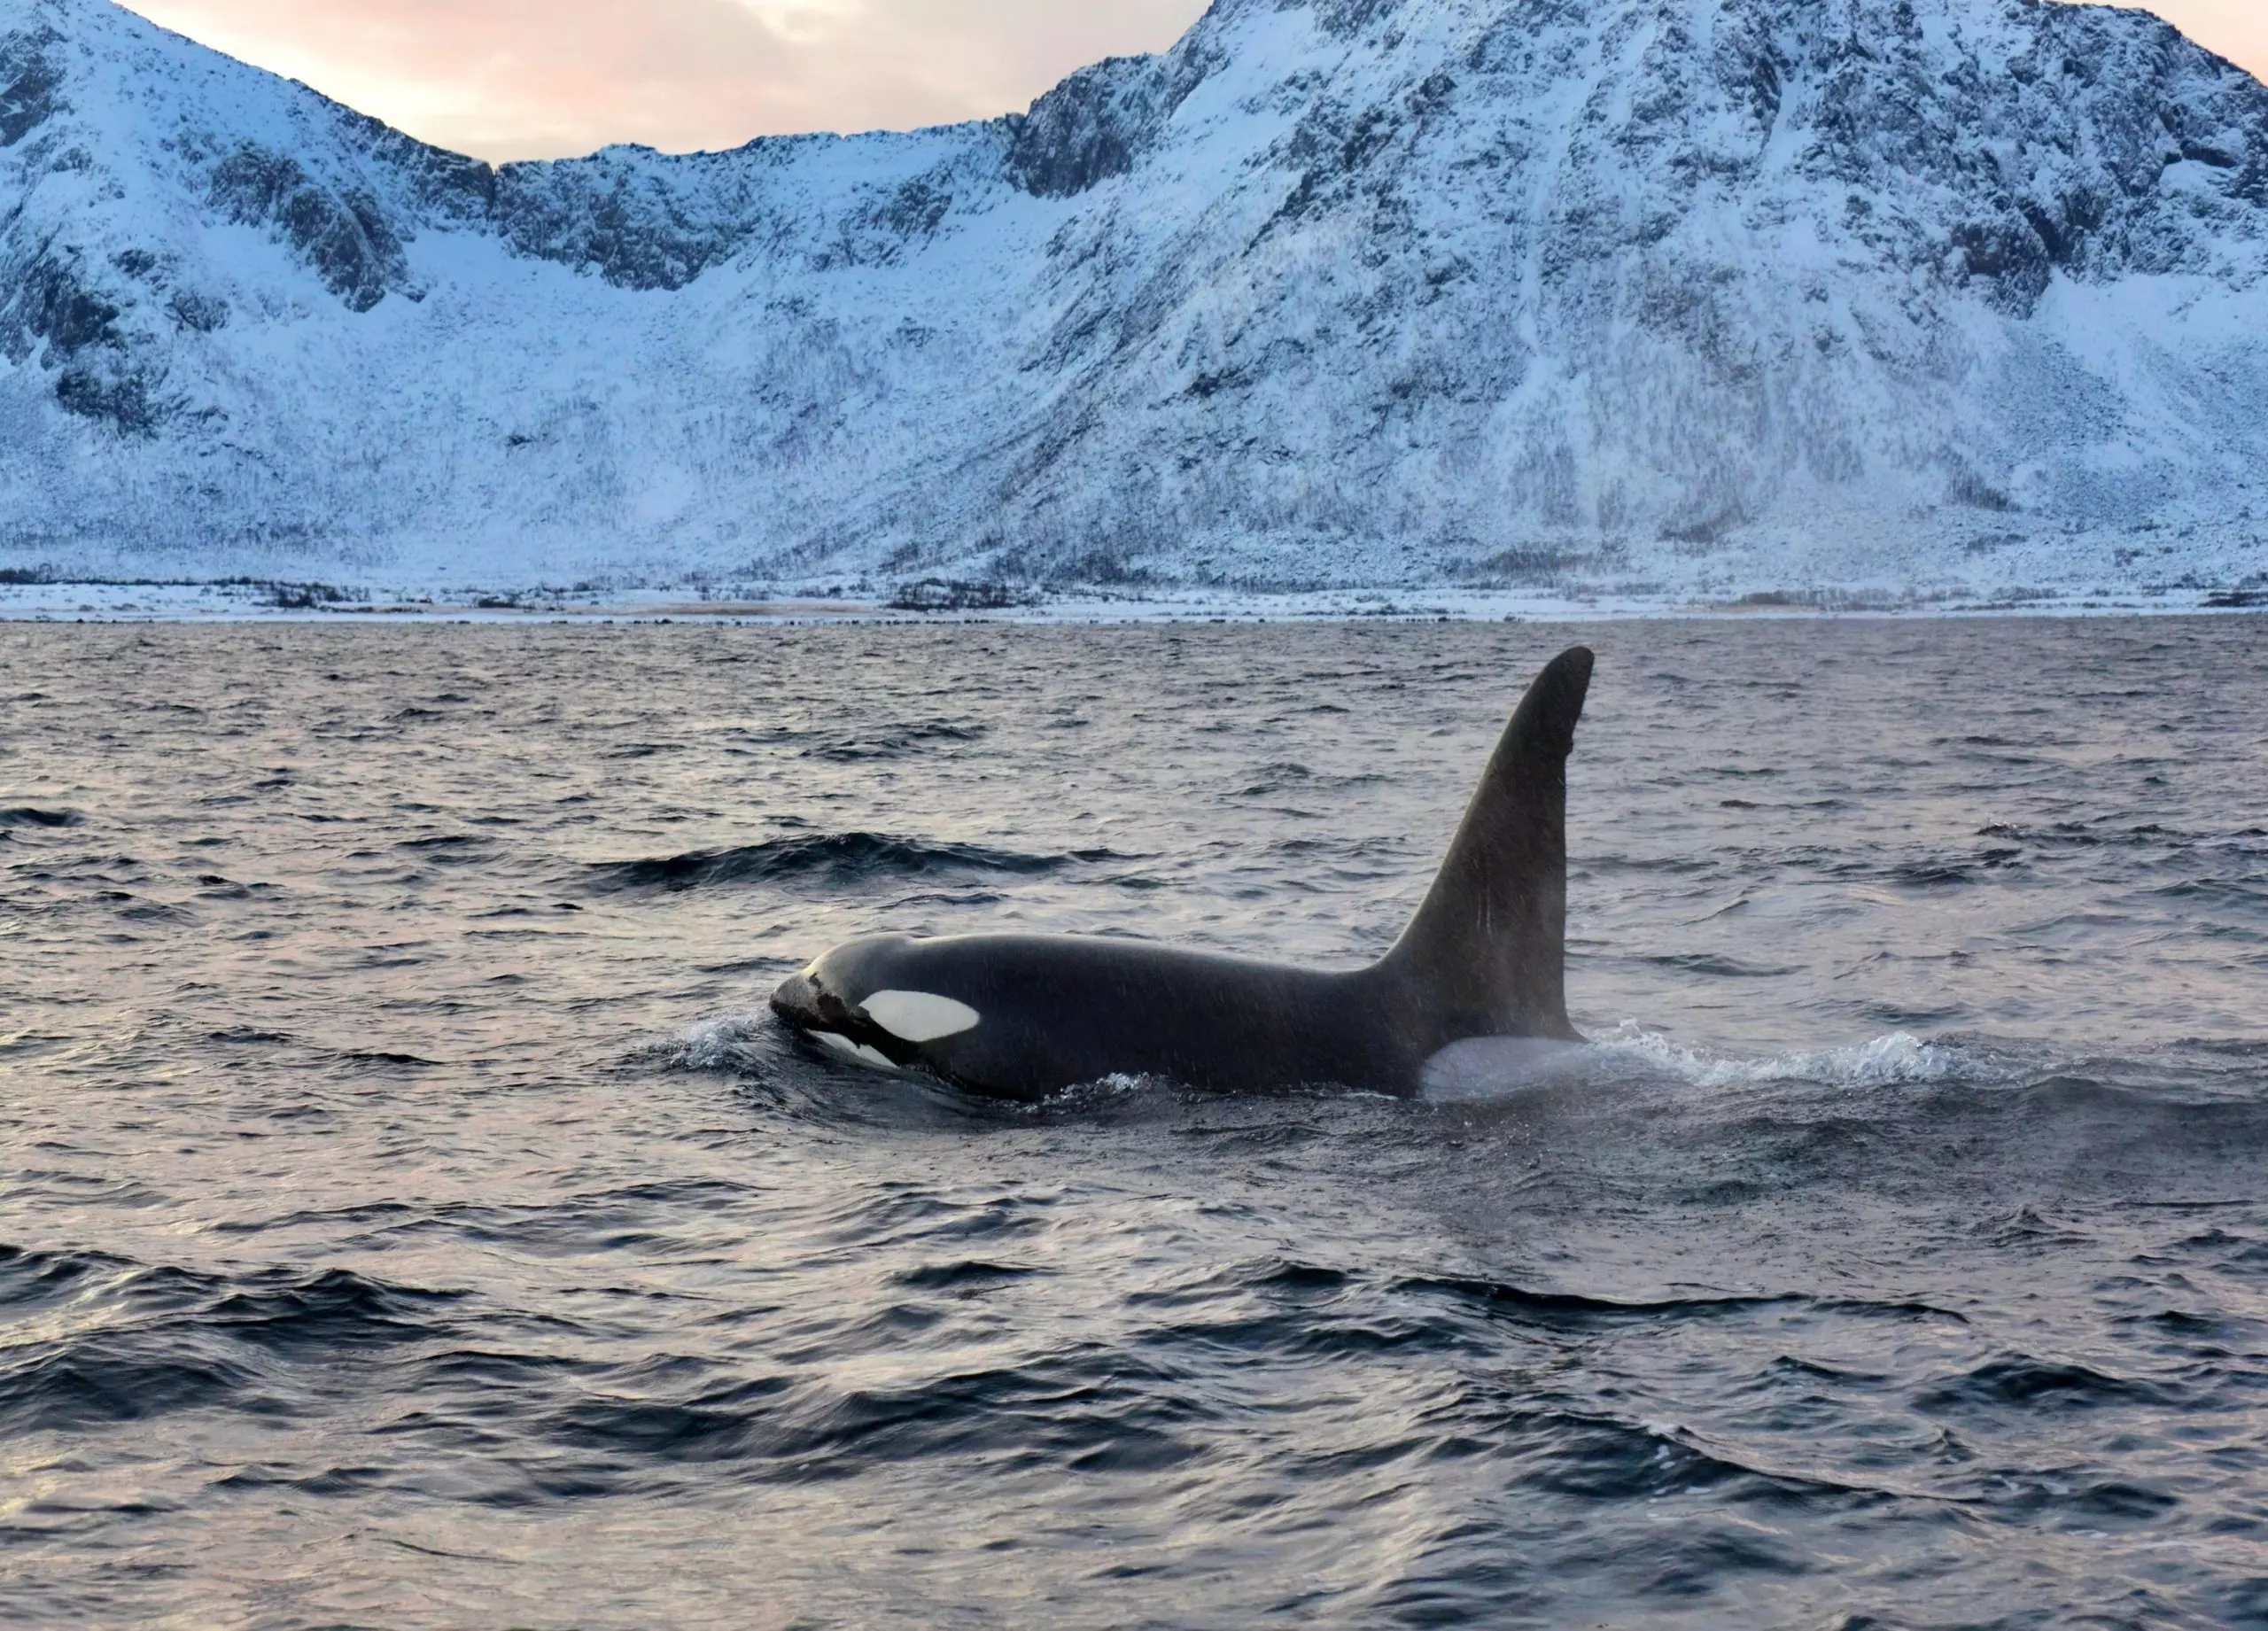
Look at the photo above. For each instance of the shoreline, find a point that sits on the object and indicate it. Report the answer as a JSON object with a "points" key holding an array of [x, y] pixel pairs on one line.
{"points": [[244, 601]]}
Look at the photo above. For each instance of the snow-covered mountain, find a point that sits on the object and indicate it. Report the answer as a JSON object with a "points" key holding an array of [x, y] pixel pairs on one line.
{"points": [[1659, 297]]}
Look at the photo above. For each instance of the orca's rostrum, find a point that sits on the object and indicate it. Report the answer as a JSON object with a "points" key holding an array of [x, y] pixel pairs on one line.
{"points": [[1021, 1016]]}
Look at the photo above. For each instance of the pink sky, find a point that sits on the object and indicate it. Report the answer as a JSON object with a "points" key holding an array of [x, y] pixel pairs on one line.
{"points": [[528, 79]]}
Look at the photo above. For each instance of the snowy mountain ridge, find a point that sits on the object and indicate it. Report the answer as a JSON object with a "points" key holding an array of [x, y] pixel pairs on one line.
{"points": [[1662, 297]]}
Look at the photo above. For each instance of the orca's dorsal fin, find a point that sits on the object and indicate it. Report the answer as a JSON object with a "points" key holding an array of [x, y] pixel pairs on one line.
{"points": [[1485, 955]]}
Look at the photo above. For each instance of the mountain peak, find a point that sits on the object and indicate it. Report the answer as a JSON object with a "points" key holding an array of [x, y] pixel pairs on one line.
{"points": [[1670, 297]]}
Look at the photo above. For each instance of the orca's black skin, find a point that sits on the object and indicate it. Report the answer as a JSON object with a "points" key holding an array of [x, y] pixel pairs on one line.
{"points": [[1484, 957]]}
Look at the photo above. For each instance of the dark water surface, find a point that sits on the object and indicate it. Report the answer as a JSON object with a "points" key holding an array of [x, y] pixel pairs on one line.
{"points": [[410, 1218]]}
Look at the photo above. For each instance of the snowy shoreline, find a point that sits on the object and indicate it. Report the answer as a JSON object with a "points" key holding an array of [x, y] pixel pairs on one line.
{"points": [[249, 602]]}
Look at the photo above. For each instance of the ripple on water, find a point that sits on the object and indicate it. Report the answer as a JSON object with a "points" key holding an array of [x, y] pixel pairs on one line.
{"points": [[840, 860], [416, 1205]]}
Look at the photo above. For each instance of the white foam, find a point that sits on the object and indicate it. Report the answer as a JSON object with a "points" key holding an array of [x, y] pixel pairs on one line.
{"points": [[1898, 1057], [1117, 1084], [719, 1045], [1485, 1068]]}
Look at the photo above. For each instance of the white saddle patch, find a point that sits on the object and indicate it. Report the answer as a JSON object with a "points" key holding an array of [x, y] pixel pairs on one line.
{"points": [[859, 1051], [920, 1017]]}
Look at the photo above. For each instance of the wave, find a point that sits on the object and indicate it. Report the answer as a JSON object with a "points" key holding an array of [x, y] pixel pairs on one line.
{"points": [[31, 1278], [1931, 875], [1485, 1068], [739, 1043], [898, 742], [145, 1340], [1714, 964], [30, 815], [838, 860], [1503, 1293], [900, 739], [2036, 1385], [1898, 1058], [325, 1311]]}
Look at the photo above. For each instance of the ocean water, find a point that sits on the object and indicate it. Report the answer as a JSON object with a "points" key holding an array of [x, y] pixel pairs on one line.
{"points": [[411, 1217]]}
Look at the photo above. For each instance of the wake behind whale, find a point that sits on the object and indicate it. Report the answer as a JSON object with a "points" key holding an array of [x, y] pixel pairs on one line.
{"points": [[1023, 1016]]}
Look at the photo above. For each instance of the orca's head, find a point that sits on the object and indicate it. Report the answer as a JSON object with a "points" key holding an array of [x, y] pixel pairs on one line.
{"points": [[863, 1000]]}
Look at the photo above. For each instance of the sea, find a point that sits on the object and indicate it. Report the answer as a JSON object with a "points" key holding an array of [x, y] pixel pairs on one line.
{"points": [[411, 1214]]}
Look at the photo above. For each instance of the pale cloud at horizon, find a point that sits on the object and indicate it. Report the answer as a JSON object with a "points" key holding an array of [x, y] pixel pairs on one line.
{"points": [[528, 78]]}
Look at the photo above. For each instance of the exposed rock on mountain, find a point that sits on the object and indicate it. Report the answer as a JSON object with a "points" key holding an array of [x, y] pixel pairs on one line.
{"points": [[1659, 297]]}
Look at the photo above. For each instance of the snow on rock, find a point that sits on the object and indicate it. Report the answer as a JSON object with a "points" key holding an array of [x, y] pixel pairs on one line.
{"points": [[1651, 299]]}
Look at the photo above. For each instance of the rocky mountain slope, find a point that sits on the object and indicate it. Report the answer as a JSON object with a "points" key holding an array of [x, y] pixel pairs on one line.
{"points": [[1653, 298]]}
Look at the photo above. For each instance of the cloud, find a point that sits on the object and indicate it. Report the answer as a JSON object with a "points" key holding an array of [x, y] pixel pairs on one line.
{"points": [[521, 79], [527, 79]]}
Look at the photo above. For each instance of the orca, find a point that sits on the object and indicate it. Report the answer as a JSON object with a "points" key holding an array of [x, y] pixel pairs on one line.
{"points": [[1025, 1016]]}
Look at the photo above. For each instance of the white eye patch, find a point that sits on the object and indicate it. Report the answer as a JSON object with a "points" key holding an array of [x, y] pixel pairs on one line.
{"points": [[920, 1017], [859, 1051]]}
